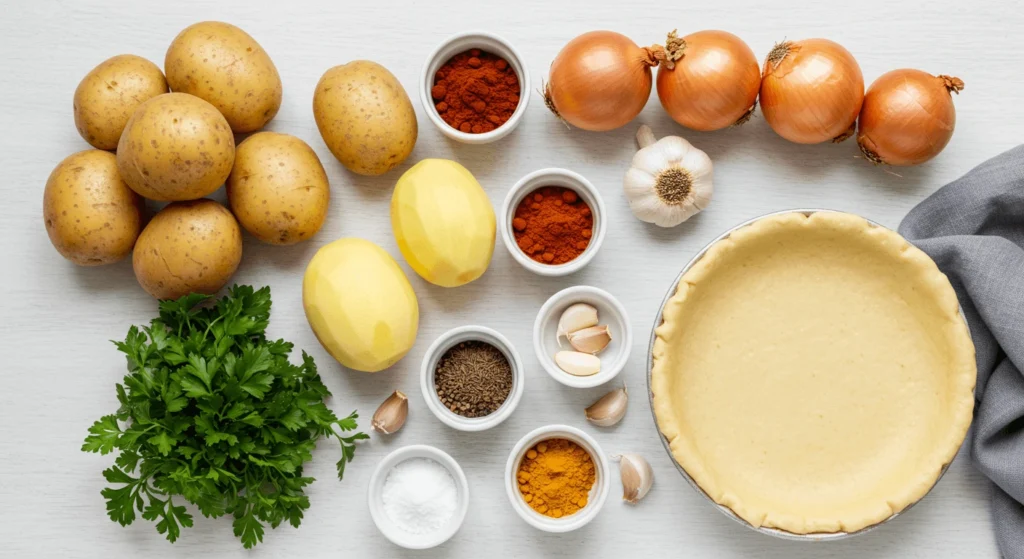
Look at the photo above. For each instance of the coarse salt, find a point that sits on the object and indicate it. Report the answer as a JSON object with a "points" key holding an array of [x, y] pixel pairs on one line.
{"points": [[420, 496]]}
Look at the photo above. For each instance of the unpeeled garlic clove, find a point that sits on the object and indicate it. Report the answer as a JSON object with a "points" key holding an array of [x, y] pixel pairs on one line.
{"points": [[390, 416], [578, 364], [609, 409], [591, 340], [637, 477], [576, 317]]}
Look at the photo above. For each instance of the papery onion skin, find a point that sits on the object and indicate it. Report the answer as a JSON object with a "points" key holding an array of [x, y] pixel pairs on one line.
{"points": [[811, 91], [908, 117], [600, 80], [713, 85]]}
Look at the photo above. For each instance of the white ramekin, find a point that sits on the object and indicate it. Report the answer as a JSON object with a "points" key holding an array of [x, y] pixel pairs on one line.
{"points": [[462, 42], [553, 177], [598, 493], [375, 497], [609, 311], [438, 349]]}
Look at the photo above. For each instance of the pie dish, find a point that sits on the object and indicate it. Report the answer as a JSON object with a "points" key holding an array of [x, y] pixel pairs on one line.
{"points": [[812, 373]]}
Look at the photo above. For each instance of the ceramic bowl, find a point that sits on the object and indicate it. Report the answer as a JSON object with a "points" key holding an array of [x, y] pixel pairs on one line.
{"points": [[462, 42], [387, 527], [609, 312], [598, 493], [566, 179], [438, 349]]}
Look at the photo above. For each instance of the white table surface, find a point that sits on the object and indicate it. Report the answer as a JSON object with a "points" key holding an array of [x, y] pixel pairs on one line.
{"points": [[59, 368]]}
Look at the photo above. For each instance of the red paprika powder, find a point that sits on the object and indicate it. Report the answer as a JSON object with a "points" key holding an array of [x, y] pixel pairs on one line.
{"points": [[476, 91], [552, 225]]}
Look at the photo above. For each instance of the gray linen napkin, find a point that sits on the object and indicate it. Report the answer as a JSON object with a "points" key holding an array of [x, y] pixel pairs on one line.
{"points": [[974, 230]]}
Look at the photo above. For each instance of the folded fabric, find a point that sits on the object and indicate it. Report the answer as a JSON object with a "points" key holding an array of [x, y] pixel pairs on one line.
{"points": [[974, 230]]}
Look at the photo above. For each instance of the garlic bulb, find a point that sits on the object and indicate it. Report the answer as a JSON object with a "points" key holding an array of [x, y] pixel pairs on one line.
{"points": [[669, 180]]}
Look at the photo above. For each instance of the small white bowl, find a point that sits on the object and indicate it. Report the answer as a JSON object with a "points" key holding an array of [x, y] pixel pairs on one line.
{"points": [[387, 527], [487, 42], [598, 493], [438, 349], [609, 311], [553, 177]]}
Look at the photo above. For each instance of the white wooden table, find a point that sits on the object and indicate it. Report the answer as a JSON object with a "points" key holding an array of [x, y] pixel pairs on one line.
{"points": [[59, 368]]}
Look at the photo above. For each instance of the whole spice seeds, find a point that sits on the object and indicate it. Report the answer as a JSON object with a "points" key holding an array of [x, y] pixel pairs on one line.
{"points": [[555, 477], [475, 91], [473, 379], [552, 225]]}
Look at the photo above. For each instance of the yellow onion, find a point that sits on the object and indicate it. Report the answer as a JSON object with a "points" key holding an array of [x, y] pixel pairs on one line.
{"points": [[811, 91], [908, 117], [709, 80], [601, 80]]}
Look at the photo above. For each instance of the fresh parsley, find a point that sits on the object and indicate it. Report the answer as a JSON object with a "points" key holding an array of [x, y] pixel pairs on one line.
{"points": [[213, 413]]}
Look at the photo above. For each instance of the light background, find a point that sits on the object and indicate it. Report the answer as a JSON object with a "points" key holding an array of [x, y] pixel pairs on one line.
{"points": [[59, 368]]}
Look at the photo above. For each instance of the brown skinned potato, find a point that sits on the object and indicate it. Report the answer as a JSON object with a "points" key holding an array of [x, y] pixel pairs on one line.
{"points": [[189, 247], [91, 215], [109, 94], [365, 117], [176, 147], [278, 189], [222, 64]]}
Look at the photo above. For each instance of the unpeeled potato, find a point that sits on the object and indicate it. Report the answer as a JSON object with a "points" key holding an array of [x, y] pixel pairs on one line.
{"points": [[278, 189], [109, 94], [222, 64], [91, 215], [189, 247]]}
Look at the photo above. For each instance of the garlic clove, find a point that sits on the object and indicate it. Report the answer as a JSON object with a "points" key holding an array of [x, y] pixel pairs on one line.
{"points": [[578, 364], [391, 415], [576, 317], [637, 477], [591, 340], [609, 409]]}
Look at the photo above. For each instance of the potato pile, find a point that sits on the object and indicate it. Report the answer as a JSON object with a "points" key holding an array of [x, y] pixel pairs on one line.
{"points": [[179, 147]]}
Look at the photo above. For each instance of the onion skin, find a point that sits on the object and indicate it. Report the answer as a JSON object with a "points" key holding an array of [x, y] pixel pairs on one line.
{"points": [[600, 80], [908, 117], [811, 91], [715, 83]]}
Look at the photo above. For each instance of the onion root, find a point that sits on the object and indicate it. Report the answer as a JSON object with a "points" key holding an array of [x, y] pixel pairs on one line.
{"points": [[846, 135], [746, 116]]}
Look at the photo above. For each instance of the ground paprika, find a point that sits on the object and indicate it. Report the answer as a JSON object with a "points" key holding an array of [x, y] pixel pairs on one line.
{"points": [[552, 225], [475, 91]]}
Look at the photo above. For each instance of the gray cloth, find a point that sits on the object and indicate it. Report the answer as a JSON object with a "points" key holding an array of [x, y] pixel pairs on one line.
{"points": [[974, 230]]}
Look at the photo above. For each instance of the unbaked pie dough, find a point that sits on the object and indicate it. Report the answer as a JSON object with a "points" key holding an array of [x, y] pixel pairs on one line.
{"points": [[813, 374]]}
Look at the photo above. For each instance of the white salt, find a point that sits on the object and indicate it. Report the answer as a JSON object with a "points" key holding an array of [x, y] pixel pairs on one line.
{"points": [[420, 496]]}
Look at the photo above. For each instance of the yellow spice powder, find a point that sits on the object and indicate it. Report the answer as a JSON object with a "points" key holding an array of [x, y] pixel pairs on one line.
{"points": [[555, 477]]}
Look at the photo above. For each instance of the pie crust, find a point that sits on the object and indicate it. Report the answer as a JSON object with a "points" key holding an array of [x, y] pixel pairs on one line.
{"points": [[813, 373]]}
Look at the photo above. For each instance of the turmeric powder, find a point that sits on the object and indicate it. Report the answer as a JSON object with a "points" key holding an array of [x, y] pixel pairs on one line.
{"points": [[555, 477]]}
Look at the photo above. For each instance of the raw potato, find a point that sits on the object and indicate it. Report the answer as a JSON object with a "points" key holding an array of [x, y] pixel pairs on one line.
{"points": [[365, 117], [222, 64], [91, 215], [109, 94], [278, 189], [189, 247], [176, 147]]}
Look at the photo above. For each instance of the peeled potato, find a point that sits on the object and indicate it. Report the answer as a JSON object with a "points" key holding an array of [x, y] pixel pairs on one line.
{"points": [[91, 215], [176, 147], [109, 94], [189, 247]]}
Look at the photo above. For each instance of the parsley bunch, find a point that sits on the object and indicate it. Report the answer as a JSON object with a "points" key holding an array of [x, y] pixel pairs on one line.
{"points": [[213, 413]]}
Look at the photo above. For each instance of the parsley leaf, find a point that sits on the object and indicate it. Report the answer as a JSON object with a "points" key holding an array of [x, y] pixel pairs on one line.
{"points": [[213, 413]]}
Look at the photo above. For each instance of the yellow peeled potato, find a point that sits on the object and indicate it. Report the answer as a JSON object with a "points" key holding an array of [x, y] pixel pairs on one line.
{"points": [[109, 94], [222, 64], [365, 117], [91, 215], [360, 305], [176, 147], [278, 189], [189, 247]]}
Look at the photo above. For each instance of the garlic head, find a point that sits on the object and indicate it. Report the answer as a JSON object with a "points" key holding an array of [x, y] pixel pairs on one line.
{"points": [[669, 180]]}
